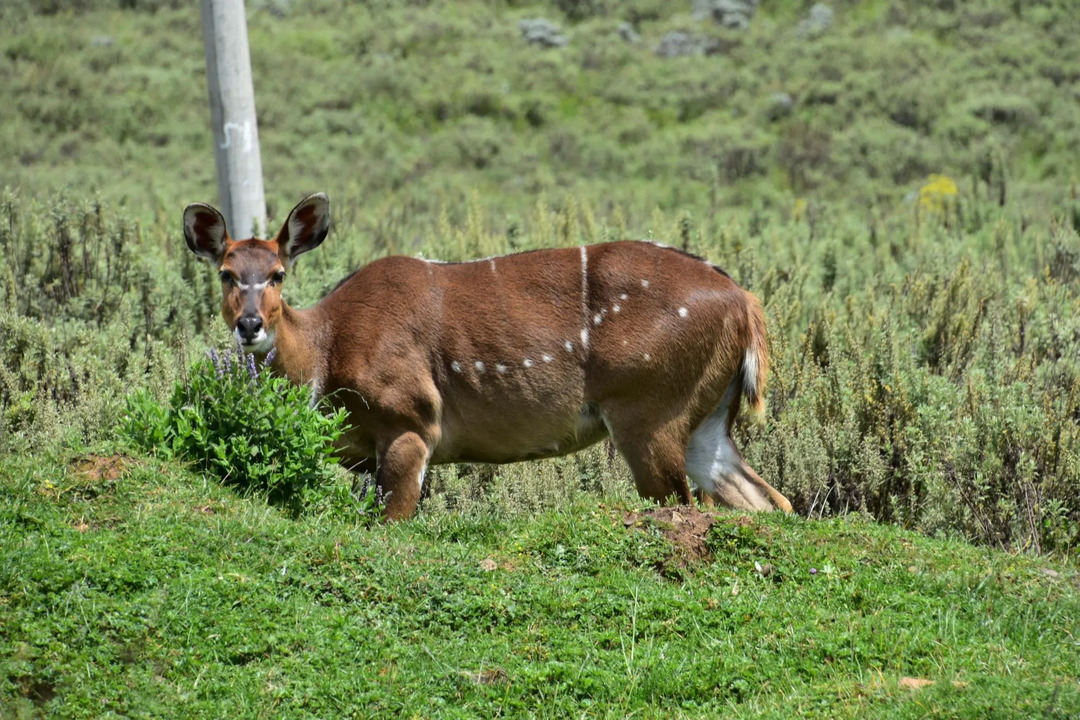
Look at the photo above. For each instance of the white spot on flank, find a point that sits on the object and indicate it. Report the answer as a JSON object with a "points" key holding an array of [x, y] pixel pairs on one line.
{"points": [[528, 363], [682, 312], [569, 346], [644, 283], [624, 296], [455, 366], [646, 356], [500, 368], [479, 366], [615, 308], [596, 319], [624, 342], [547, 358], [584, 336]]}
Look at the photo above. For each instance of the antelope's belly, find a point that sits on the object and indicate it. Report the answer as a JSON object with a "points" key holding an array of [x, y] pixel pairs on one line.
{"points": [[512, 434]]}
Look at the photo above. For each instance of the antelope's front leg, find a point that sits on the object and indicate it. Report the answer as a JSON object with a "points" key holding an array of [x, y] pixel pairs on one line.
{"points": [[400, 476]]}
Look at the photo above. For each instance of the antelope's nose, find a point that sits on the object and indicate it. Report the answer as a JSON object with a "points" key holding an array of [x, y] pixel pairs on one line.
{"points": [[249, 327]]}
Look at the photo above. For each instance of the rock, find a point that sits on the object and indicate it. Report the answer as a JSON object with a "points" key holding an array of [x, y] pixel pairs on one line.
{"points": [[817, 22], [682, 44], [780, 106], [628, 33], [542, 32], [733, 14]]}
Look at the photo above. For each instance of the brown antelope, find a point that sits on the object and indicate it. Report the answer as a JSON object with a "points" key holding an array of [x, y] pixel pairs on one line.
{"points": [[511, 358]]}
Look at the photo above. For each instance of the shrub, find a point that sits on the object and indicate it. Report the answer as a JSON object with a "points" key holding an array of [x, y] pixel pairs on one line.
{"points": [[231, 418]]}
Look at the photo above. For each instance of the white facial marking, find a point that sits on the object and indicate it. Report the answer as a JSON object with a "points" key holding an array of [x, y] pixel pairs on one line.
{"points": [[528, 363], [682, 312], [547, 358], [479, 366], [253, 286], [615, 308], [569, 346], [644, 283], [455, 366], [262, 343], [624, 296], [584, 336], [596, 319], [501, 369]]}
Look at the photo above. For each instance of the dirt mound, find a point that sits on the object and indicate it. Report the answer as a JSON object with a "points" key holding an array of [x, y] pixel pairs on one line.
{"points": [[684, 526]]}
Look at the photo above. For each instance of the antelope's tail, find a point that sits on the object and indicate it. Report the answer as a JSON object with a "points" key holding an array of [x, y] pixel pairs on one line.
{"points": [[755, 362]]}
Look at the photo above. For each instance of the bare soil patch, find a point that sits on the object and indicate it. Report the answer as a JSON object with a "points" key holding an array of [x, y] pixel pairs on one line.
{"points": [[685, 527]]}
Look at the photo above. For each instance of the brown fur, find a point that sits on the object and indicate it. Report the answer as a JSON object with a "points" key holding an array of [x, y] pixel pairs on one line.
{"points": [[467, 362]]}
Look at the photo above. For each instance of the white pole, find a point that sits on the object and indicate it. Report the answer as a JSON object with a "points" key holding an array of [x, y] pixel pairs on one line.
{"points": [[232, 115]]}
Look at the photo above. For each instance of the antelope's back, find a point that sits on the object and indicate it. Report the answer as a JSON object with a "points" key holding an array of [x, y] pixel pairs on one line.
{"points": [[527, 343]]}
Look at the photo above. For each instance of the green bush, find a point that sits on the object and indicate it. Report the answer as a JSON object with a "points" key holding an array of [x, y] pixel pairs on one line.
{"points": [[232, 419]]}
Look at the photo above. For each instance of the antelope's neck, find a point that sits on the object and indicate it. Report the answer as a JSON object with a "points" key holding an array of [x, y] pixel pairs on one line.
{"points": [[297, 346]]}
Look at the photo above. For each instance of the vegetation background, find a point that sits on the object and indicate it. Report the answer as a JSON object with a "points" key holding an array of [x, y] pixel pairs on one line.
{"points": [[896, 180]]}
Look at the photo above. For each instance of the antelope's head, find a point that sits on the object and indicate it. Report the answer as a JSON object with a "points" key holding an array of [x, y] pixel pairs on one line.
{"points": [[253, 270]]}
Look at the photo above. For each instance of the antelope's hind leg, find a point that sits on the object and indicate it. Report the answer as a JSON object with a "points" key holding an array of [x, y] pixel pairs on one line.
{"points": [[656, 459], [718, 471]]}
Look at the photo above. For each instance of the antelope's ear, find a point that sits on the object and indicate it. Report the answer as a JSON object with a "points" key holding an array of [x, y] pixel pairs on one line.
{"points": [[204, 230], [305, 228]]}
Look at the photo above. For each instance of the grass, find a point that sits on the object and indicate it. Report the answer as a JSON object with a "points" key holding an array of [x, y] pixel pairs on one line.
{"points": [[138, 588], [909, 223]]}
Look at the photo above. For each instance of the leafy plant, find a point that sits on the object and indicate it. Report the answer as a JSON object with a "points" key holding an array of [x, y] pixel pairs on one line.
{"points": [[233, 419]]}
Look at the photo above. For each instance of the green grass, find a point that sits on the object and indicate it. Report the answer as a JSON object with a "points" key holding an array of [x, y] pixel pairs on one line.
{"points": [[926, 362], [157, 593]]}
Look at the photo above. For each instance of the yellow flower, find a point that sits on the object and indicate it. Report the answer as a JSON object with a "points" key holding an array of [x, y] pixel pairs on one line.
{"points": [[938, 195]]}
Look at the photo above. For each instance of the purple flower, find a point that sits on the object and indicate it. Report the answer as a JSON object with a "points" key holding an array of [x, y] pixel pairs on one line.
{"points": [[216, 360], [270, 356], [252, 370]]}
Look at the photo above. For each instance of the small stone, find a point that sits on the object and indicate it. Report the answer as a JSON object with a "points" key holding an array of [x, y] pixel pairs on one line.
{"points": [[817, 22], [542, 32], [628, 33]]}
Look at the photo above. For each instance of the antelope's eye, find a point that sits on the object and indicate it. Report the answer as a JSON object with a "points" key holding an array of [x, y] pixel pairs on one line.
{"points": [[226, 277], [277, 278]]}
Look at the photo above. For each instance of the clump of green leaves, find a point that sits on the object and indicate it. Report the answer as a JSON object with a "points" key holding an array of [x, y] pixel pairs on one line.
{"points": [[233, 419]]}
